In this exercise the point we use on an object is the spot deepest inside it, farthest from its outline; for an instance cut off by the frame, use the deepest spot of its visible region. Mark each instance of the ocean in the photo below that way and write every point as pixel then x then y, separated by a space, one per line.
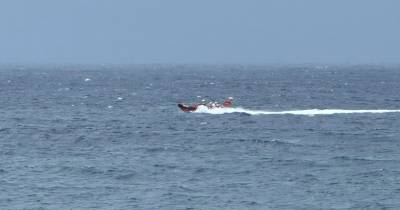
pixel 112 137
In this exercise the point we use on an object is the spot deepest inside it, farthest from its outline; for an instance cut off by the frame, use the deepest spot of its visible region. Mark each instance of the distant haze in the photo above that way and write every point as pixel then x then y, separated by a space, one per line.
pixel 204 31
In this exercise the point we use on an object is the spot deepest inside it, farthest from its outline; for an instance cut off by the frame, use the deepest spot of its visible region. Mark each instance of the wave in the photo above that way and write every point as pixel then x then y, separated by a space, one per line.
pixel 308 112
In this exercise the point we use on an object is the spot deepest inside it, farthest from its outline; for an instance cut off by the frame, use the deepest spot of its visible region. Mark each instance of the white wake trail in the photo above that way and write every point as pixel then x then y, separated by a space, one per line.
pixel 309 112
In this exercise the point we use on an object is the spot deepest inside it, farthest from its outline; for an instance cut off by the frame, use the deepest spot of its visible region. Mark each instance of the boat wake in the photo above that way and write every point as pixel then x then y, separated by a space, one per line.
pixel 308 112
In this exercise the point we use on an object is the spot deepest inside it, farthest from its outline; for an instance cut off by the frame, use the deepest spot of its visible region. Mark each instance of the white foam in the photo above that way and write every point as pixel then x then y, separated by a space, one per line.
pixel 309 112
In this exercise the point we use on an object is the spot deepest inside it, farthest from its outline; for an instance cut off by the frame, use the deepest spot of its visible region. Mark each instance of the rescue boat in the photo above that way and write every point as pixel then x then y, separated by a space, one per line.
pixel 210 105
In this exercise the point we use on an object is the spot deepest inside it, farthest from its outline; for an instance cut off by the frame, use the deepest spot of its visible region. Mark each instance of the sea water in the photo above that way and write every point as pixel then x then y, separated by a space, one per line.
pixel 112 137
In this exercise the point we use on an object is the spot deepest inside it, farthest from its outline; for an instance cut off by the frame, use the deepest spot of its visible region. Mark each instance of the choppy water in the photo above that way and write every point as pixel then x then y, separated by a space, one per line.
pixel 303 137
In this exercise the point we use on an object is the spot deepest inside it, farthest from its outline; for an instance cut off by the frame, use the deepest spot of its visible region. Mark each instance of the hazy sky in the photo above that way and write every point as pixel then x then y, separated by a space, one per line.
pixel 202 31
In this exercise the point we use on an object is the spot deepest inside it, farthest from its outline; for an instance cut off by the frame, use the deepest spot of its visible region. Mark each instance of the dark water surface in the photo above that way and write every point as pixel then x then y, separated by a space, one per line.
pixel 118 140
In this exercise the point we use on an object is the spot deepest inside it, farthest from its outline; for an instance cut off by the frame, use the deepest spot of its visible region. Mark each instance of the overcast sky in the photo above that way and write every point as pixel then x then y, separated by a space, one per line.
pixel 202 31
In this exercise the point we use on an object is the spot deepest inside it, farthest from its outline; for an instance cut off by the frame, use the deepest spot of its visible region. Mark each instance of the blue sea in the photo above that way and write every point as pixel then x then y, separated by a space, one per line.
pixel 112 137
